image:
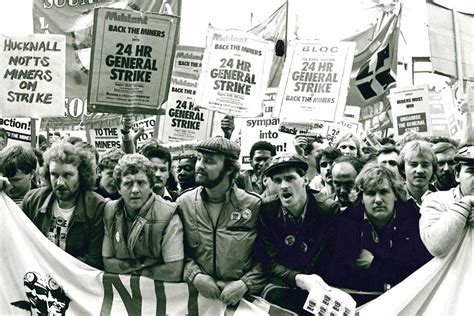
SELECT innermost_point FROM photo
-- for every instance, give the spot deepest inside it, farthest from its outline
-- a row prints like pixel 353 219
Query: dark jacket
pixel 86 232
pixel 288 248
pixel 398 251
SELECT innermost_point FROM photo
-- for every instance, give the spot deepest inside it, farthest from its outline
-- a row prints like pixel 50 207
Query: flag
pixel 375 61
pixel 40 278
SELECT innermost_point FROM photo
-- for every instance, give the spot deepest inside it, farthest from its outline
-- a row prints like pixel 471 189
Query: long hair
pixel 66 153
pixel 373 176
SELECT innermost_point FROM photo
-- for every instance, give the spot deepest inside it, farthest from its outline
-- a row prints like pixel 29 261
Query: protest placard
pixel 131 61
pixel 18 130
pixel 314 81
pixel 32 79
pixel 352 113
pixel 411 110
pixel 148 126
pixel 184 120
pixel 188 59
pixel 106 138
pixel 235 72
pixel 182 150
pixel 330 302
pixel 264 128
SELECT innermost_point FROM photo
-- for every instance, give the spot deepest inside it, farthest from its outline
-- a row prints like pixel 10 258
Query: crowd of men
pixel 336 215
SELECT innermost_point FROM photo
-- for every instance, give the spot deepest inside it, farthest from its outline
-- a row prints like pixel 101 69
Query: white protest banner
pixel 184 120
pixel 131 61
pixel 188 59
pixel 411 110
pixel 18 130
pixel 182 150
pixel 32 76
pixel 106 138
pixel 235 72
pixel 42 279
pixel 314 81
pixel 264 128
pixel 148 126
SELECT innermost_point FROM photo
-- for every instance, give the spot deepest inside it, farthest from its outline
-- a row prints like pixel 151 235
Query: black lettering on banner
pixel 132 303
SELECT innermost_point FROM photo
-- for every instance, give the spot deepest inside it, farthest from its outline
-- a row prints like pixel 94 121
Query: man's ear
pixel 306 180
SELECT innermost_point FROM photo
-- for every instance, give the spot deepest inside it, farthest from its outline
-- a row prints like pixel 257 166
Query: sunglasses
pixel 392 163
pixel 326 164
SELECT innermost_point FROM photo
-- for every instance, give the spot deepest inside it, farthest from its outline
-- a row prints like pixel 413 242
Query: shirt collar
pixel 297 220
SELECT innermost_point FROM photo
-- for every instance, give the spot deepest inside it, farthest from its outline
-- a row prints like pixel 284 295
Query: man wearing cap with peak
pixel 220 226
pixel 447 215
pixel 296 231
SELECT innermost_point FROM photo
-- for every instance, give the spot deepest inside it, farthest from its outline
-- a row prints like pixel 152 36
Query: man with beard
pixel 67 211
pixel 260 153
pixel 160 157
pixel 220 226
pixel 445 178
pixel 18 166
pixel 296 232
pixel 418 166
pixel 105 182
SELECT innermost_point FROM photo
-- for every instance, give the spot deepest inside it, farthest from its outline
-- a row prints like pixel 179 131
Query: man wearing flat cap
pixel 220 226
pixel 447 215
pixel 296 232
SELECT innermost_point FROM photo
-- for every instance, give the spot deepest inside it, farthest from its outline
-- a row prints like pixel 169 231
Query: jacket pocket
pixel 149 240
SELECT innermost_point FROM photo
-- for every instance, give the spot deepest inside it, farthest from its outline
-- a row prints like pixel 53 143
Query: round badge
pixel 117 237
pixel 289 240
pixel 247 214
pixel 304 247
pixel 235 216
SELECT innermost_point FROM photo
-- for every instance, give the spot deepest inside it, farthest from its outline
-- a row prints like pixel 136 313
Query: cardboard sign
pixel 106 138
pixel 264 128
pixel 336 302
pixel 188 59
pixel 18 130
pixel 411 110
pixel 32 77
pixel 148 125
pixel 314 81
pixel 131 61
pixel 182 150
pixel 184 120
pixel 235 73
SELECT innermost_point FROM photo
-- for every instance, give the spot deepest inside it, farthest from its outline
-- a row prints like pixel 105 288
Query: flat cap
pixel 285 161
pixel 465 155
pixel 219 145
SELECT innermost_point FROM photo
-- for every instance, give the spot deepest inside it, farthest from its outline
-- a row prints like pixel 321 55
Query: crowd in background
pixel 352 216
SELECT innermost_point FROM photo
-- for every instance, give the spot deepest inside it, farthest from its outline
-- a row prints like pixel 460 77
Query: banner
pixel 184 120
pixel 39 278
pixel 32 78
pixel 443 286
pixel 314 81
pixel 74 19
pixel 131 62
pixel 235 73
pixel 411 110
pixel 106 138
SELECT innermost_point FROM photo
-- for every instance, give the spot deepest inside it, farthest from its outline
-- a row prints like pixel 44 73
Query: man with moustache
pixel 220 226
pixel 324 161
pixel 185 173
pixel 160 157
pixel 105 183
pixel 445 177
pixel 418 166
pixel 67 211
pixel 260 153
pixel 296 232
